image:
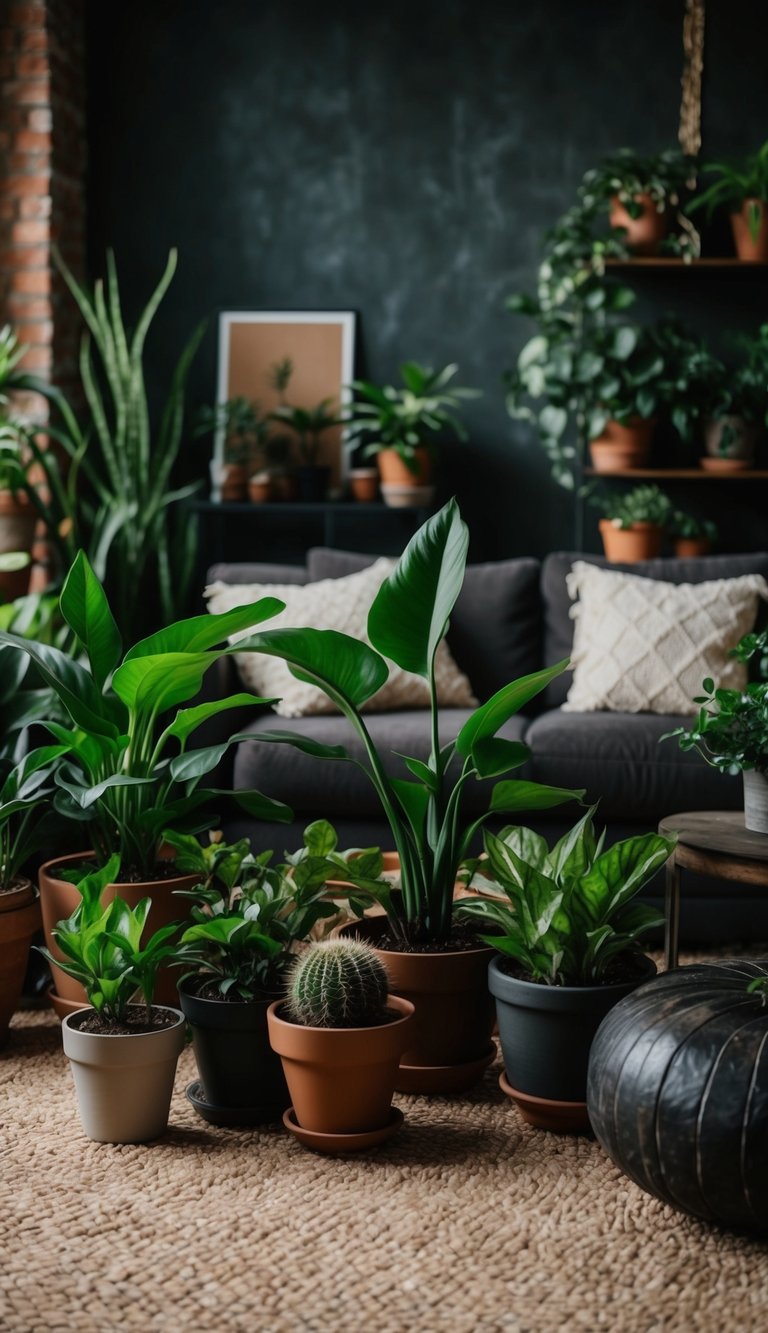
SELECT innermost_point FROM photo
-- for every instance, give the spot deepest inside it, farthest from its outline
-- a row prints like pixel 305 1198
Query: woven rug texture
pixel 468 1220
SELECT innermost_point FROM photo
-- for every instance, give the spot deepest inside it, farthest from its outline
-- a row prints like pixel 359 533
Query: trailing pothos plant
pixel 425 810
pixel 564 914
pixel 103 949
pixel 128 771
pixel 246 926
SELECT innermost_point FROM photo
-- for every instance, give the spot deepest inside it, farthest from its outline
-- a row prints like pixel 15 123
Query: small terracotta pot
pixel 642 541
pixel 393 471
pixel 622 446
pixel 17 532
pixel 730 439
pixel 341 1080
pixel 234 482
pixel 645 233
pixel 749 250
pixel 123 1084
pixel 454 1010
pixel 364 484
pixel 19 919
pixel 691 548
pixel 259 492
pixel 59 898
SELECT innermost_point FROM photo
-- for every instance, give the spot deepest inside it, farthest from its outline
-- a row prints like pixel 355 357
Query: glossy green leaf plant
pixel 425 810
pixel 25 815
pixel 129 771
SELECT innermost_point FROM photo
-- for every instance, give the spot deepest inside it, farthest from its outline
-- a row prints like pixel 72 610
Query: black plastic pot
pixel 547 1031
pixel 312 484
pixel 238 1068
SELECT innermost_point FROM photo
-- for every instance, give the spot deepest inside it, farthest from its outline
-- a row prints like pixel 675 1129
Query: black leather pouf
pixel 678 1090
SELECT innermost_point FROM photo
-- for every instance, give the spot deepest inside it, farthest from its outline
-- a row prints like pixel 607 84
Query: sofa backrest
pixel 558 626
pixel 495 630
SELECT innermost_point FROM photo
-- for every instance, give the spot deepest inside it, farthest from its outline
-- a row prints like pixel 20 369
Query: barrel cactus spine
pixel 338 984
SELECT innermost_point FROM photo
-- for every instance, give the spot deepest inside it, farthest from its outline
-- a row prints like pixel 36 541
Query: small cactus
pixel 338 984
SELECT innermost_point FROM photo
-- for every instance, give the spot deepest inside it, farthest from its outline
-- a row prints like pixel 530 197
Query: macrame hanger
pixel 689 133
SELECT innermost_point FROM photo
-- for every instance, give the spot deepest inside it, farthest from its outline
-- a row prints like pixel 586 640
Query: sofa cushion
pixel 257 572
pixel 617 758
pixel 558 626
pixel 324 787
pixel 495 630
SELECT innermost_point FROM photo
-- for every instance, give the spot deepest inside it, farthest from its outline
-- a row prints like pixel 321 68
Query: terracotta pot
pixel 259 492
pixel 454 1010
pixel 691 548
pixel 234 481
pixel 123 1084
pixel 393 471
pixel 364 484
pixel 644 234
pixel 17 531
pixel 19 919
pixel 749 250
pixel 641 541
pixel 622 446
pixel 730 439
pixel 341 1080
pixel 59 898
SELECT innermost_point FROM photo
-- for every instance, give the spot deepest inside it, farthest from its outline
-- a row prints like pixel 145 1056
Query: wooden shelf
pixel 727 263
pixel 682 474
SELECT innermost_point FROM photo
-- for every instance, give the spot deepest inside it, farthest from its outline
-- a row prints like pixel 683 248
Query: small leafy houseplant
pixel 309 425
pixel 634 523
pixel 741 187
pixel 692 536
pixel 639 191
pixel 566 926
pixel 123 1089
pixel 340 1036
pixel 243 430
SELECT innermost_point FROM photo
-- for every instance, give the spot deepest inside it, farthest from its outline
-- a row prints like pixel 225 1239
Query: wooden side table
pixel 709 842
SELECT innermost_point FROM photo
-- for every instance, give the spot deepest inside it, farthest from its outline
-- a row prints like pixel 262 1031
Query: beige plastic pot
pixel 123 1084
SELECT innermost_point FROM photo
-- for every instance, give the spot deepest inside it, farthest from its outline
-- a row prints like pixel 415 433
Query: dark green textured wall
pixel 399 159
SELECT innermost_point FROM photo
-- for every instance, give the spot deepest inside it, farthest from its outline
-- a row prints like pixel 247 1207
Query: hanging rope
pixel 693 52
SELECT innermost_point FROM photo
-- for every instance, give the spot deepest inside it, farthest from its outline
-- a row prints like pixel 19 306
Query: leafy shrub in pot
pixel 634 523
pixel 742 188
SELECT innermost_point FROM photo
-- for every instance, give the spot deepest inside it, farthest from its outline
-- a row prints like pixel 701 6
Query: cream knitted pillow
pixel 340 604
pixel 643 646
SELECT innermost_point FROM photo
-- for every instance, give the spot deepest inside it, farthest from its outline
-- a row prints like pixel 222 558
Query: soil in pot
pixel 341 1080
pixel 641 541
pixel 238 1068
pixel 59 898
pixel 19 919
pixel 622 445
pixel 645 233
pixel 748 248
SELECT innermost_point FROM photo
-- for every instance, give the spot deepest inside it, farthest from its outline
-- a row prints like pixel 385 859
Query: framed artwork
pixel 320 346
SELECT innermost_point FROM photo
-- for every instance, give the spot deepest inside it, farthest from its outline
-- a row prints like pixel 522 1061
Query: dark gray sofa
pixel 511 618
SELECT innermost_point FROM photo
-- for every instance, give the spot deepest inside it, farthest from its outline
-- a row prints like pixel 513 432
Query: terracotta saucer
pixel 229 1117
pixel 558 1117
pixel 428 1079
pixel 724 464
pixel 342 1143
pixel 64 1007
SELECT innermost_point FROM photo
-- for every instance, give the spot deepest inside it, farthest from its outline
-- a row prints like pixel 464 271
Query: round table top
pixel 718 831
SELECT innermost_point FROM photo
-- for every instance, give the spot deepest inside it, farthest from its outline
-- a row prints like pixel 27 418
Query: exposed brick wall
pixel 42 169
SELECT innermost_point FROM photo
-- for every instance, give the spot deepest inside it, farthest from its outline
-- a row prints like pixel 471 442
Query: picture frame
pixel 321 346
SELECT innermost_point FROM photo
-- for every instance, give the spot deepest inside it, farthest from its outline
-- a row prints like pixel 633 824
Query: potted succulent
pixel 128 772
pixel 25 790
pixel 742 188
pixel 639 191
pixel 428 960
pixel 634 523
pixel 309 425
pixel 243 428
pixel 340 1036
pixel 401 424
pixel 17 515
pixel 731 730
pixel 693 537
pixel 566 930
pixel 123 1054
pixel 247 918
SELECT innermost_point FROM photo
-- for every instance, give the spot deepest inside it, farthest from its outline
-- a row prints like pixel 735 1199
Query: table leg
pixel 672 914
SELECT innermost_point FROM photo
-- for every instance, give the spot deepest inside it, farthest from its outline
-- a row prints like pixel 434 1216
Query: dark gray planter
pixel 547 1031
pixel 238 1068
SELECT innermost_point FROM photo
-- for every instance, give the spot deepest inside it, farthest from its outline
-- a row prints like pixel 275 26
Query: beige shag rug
pixel 468 1220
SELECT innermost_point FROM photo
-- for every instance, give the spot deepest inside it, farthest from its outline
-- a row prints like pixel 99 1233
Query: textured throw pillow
pixel 340 604
pixel 644 646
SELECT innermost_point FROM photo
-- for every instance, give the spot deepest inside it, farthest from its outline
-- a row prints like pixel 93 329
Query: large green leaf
pixel 85 608
pixel 337 663
pixel 199 633
pixel 504 704
pixel 515 795
pixel 493 756
pixel 154 684
pixel 73 685
pixel 574 853
pixel 621 871
pixel 303 743
pixel 411 610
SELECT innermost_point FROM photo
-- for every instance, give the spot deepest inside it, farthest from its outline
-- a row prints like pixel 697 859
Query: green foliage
pixel 26 787
pixel 643 504
pixel 626 174
pixel 425 811
pixel 22 700
pixel 692 528
pixel 411 415
pixel 735 182
pixel 241 423
pixel 128 772
pixel 242 938
pixel 568 911
pixel 13 473
pixel 309 425
pixel 731 727
pixel 103 948
pixel 338 984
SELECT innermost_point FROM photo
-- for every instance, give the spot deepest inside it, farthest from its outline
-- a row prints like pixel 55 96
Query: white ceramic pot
pixel 123 1084
pixel 730 437
pixel 755 801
